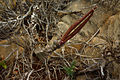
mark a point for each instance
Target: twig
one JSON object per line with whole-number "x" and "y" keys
{"x": 55, "y": 73}
{"x": 47, "y": 32}
{"x": 90, "y": 39}
{"x": 10, "y": 54}
{"x": 3, "y": 45}
{"x": 29, "y": 74}
{"x": 62, "y": 57}
{"x": 48, "y": 71}
{"x": 93, "y": 35}
{"x": 28, "y": 13}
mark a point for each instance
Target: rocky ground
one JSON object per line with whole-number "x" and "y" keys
{"x": 92, "y": 54}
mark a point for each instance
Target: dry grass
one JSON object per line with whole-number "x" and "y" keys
{"x": 30, "y": 25}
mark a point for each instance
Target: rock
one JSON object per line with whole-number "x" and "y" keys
{"x": 96, "y": 21}
{"x": 111, "y": 29}
{"x": 109, "y": 25}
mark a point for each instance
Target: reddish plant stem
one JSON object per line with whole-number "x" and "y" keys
{"x": 69, "y": 35}
{"x": 76, "y": 30}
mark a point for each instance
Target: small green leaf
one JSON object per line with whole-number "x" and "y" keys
{"x": 3, "y": 64}
{"x": 70, "y": 70}
{"x": 73, "y": 64}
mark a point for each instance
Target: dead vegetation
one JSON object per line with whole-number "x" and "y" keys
{"x": 30, "y": 25}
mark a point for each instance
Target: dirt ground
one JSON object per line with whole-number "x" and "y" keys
{"x": 30, "y": 32}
